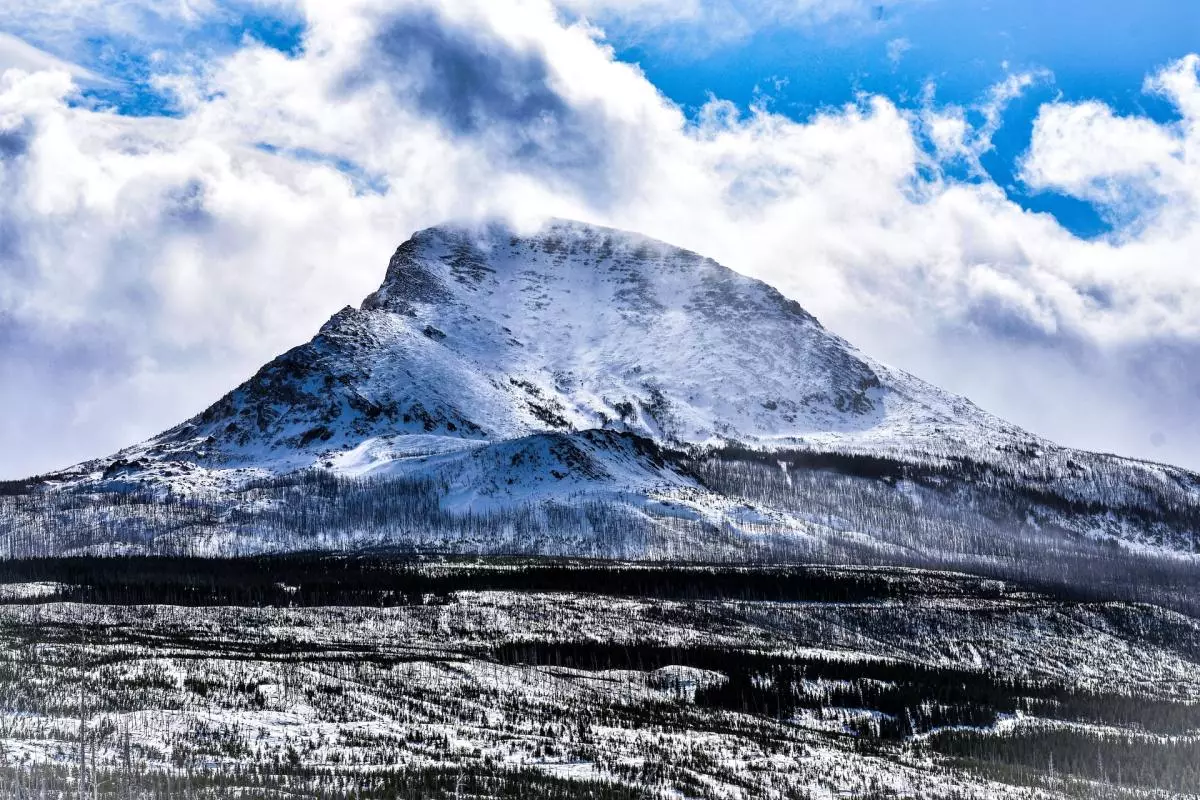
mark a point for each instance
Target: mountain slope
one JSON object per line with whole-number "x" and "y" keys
{"x": 492, "y": 360}
{"x": 481, "y": 334}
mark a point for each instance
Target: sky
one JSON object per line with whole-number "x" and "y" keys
{"x": 1000, "y": 196}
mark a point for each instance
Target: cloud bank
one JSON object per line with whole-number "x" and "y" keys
{"x": 147, "y": 264}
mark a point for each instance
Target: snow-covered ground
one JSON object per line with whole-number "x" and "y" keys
{"x": 355, "y": 690}
{"x": 30, "y": 590}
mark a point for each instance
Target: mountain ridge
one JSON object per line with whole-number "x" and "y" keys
{"x": 845, "y": 392}
{"x": 485, "y": 351}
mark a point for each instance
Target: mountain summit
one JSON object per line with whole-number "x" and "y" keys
{"x": 484, "y": 334}
{"x": 584, "y": 363}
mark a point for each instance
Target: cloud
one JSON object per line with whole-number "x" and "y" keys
{"x": 764, "y": 12}
{"x": 64, "y": 25}
{"x": 1086, "y": 151}
{"x": 703, "y": 25}
{"x": 1134, "y": 169}
{"x": 954, "y": 139}
{"x": 148, "y": 264}
{"x": 18, "y": 54}
{"x": 896, "y": 48}
{"x": 502, "y": 95}
{"x": 132, "y": 43}
{"x": 467, "y": 79}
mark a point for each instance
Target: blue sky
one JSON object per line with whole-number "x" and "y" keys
{"x": 1082, "y": 50}
{"x": 1091, "y": 49}
{"x": 189, "y": 188}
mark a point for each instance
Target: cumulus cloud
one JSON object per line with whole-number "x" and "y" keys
{"x": 148, "y": 264}
{"x": 506, "y": 96}
{"x": 1134, "y": 169}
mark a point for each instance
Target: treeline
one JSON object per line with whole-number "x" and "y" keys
{"x": 1173, "y": 718}
{"x": 851, "y": 511}
{"x": 1029, "y": 754}
{"x": 377, "y": 580}
{"x": 1018, "y": 481}
{"x": 310, "y": 510}
{"x": 983, "y": 531}
{"x": 15, "y": 488}
{"x": 905, "y": 698}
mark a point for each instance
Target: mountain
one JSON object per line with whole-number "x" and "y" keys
{"x": 900, "y": 596}
{"x": 485, "y": 335}
{"x": 504, "y": 373}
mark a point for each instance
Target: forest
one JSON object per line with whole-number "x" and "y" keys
{"x": 790, "y": 626}
{"x": 814, "y": 509}
{"x": 430, "y": 676}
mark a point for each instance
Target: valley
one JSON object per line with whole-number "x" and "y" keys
{"x": 373, "y": 676}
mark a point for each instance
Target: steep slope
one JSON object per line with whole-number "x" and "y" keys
{"x": 482, "y": 334}
{"x": 487, "y": 354}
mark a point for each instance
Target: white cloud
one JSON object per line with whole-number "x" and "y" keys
{"x": 1086, "y": 151}
{"x": 953, "y": 138}
{"x": 157, "y": 262}
{"x": 15, "y": 53}
{"x": 896, "y": 48}
{"x": 1137, "y": 170}
{"x": 701, "y": 25}
{"x": 948, "y": 132}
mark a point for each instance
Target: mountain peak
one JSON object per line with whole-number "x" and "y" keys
{"x": 483, "y": 256}
{"x": 475, "y": 251}
{"x": 507, "y": 366}
{"x": 487, "y": 332}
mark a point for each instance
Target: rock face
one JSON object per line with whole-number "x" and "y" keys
{"x": 512, "y": 366}
{"x": 483, "y": 334}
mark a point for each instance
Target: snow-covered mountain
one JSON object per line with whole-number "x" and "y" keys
{"x": 483, "y": 335}
{"x": 585, "y": 361}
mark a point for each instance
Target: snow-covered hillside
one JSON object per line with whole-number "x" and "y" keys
{"x": 483, "y": 334}
{"x": 505, "y": 366}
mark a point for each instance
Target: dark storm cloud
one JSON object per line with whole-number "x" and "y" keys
{"x": 13, "y": 143}
{"x": 1008, "y": 321}
{"x": 468, "y": 79}
{"x": 480, "y": 87}
{"x": 184, "y": 206}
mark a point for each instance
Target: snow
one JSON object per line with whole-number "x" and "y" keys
{"x": 429, "y": 693}
{"x": 578, "y": 327}
{"x": 487, "y": 360}
{"x": 29, "y": 590}
{"x": 388, "y": 455}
